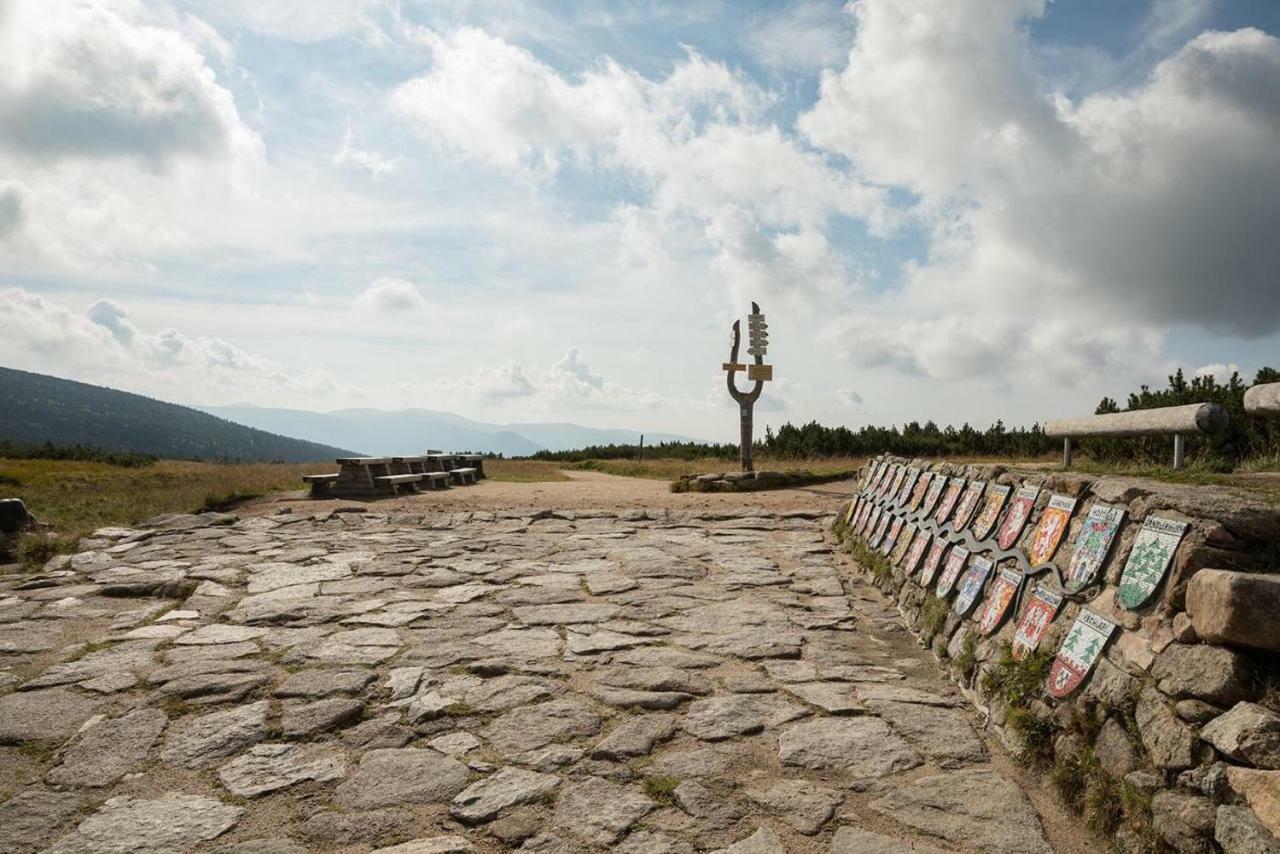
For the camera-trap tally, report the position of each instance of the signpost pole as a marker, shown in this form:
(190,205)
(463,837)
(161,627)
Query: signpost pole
(758,371)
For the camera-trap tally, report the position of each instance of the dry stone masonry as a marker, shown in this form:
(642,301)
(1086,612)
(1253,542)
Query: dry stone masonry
(1122,635)
(527,680)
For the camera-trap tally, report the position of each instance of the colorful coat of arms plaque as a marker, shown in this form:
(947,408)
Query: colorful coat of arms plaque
(854,506)
(902,544)
(951,572)
(908,484)
(1016,519)
(1148,559)
(1041,608)
(879,527)
(949,499)
(916,553)
(894,482)
(1093,543)
(895,528)
(931,497)
(1083,644)
(991,508)
(932,562)
(971,584)
(968,504)
(1003,589)
(877,472)
(860,521)
(1053,524)
(922,487)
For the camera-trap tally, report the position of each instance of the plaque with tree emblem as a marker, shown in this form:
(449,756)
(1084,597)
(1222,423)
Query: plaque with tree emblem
(951,572)
(1041,608)
(916,553)
(1152,550)
(968,504)
(949,499)
(1053,524)
(936,486)
(1093,544)
(1016,519)
(931,563)
(1003,589)
(895,528)
(971,584)
(991,507)
(1081,648)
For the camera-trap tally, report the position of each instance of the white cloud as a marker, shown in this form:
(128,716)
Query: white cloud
(302,21)
(805,35)
(849,397)
(350,154)
(1219,371)
(389,295)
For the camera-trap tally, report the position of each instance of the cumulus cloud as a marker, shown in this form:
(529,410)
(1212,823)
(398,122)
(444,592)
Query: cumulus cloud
(1219,371)
(807,35)
(350,154)
(389,295)
(849,397)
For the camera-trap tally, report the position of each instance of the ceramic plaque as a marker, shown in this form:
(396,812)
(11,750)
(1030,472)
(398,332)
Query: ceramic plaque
(894,483)
(860,520)
(916,553)
(903,543)
(931,563)
(1049,531)
(1016,519)
(951,572)
(1148,560)
(949,499)
(1083,644)
(968,503)
(991,508)
(922,489)
(971,584)
(895,528)
(1093,543)
(908,487)
(879,529)
(931,497)
(1041,608)
(854,506)
(1003,589)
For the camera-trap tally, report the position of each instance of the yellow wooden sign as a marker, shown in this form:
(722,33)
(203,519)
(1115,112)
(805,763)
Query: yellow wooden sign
(762,373)
(733,366)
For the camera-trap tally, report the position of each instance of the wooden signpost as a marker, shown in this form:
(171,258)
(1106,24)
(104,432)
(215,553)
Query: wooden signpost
(757,372)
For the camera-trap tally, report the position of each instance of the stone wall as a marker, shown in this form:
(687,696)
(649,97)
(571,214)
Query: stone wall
(1172,741)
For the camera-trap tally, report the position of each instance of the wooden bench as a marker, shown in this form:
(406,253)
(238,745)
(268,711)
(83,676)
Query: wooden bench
(320,483)
(463,475)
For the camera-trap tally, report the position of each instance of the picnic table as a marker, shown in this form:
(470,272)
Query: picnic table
(369,476)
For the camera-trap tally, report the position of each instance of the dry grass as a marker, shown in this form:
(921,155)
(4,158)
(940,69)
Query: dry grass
(524,471)
(666,469)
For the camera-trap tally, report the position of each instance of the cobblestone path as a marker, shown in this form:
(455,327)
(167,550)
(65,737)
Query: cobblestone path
(480,681)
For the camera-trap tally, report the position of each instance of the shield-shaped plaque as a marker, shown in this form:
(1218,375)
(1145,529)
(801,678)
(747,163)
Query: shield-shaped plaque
(916,553)
(951,572)
(852,511)
(862,525)
(894,482)
(931,563)
(931,497)
(879,529)
(908,486)
(971,584)
(968,504)
(1152,550)
(1019,512)
(877,472)
(1002,591)
(922,487)
(1093,543)
(895,528)
(1053,524)
(949,499)
(860,520)
(902,544)
(1041,608)
(1081,648)
(991,508)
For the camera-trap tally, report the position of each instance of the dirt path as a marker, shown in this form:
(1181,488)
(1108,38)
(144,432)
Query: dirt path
(673,679)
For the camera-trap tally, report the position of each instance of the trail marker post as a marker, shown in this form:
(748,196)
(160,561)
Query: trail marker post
(757,372)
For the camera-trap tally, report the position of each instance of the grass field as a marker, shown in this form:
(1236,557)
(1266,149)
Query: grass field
(663,469)
(524,471)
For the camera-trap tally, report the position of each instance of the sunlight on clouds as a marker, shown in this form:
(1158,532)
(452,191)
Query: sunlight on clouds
(389,295)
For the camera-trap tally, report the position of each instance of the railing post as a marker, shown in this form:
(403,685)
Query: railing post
(1179,450)
(1066,452)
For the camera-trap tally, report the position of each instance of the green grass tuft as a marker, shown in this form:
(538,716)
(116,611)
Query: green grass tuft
(660,788)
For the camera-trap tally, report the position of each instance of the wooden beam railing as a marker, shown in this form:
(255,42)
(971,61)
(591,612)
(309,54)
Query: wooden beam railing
(1176,421)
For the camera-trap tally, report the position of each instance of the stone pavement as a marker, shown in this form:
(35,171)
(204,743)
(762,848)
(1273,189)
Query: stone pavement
(548,682)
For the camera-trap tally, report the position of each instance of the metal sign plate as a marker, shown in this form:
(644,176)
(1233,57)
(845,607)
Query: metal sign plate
(1041,608)
(1148,560)
(1053,524)
(931,497)
(908,484)
(894,530)
(1002,591)
(733,366)
(904,542)
(1016,519)
(1081,648)
(922,489)
(971,584)
(761,373)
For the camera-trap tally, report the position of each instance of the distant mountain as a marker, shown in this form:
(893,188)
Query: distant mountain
(38,408)
(380,431)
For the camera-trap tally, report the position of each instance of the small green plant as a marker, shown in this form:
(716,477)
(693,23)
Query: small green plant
(933,616)
(219,503)
(660,788)
(871,560)
(967,660)
(1019,682)
(35,550)
(1035,734)
(1068,778)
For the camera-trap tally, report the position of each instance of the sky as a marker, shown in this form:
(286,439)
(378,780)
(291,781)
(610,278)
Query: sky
(957,210)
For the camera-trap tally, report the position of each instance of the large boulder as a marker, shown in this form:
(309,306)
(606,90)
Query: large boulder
(13,516)
(1249,733)
(1235,607)
(1214,674)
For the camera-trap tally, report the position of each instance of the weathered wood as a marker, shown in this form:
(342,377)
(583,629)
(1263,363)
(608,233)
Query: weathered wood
(1263,399)
(1165,421)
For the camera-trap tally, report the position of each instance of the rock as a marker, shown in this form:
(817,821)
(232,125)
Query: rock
(635,737)
(455,743)
(1184,631)
(851,840)
(320,682)
(521,730)
(974,808)
(50,715)
(1169,742)
(1261,791)
(565,615)
(1235,608)
(269,767)
(1238,831)
(109,749)
(863,746)
(834,697)
(331,827)
(321,716)
(1249,733)
(277,845)
(217,633)
(763,841)
(517,826)
(13,516)
(484,799)
(430,845)
(662,679)
(644,842)
(1111,685)
(1184,821)
(804,805)
(1214,674)
(127,825)
(718,718)
(698,801)
(1113,750)
(1196,711)
(29,818)
(598,811)
(198,742)
(944,736)
(401,776)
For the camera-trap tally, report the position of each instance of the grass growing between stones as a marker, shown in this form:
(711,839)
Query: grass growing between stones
(967,660)
(1018,682)
(1105,803)
(933,616)
(660,789)
(871,560)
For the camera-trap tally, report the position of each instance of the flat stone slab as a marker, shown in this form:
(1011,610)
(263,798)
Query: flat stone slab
(851,840)
(402,776)
(109,749)
(199,742)
(50,715)
(484,799)
(864,747)
(174,822)
(565,615)
(598,811)
(270,767)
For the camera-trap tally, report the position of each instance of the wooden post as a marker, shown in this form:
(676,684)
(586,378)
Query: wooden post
(641,456)
(1179,451)
(1066,452)
(746,400)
